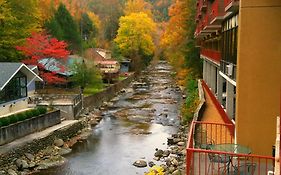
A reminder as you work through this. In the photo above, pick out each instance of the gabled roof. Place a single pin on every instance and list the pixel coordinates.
(9, 70)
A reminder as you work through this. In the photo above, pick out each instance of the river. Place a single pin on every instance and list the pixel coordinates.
(134, 124)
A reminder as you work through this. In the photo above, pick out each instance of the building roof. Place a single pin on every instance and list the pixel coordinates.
(9, 70)
(108, 62)
(60, 67)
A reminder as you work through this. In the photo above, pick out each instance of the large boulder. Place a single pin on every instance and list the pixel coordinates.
(140, 163)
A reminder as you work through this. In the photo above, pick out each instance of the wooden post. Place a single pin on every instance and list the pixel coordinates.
(277, 148)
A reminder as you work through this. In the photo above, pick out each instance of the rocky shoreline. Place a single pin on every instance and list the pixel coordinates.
(53, 155)
(172, 160)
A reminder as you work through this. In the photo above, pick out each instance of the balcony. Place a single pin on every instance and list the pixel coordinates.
(231, 5)
(211, 150)
(217, 12)
(211, 54)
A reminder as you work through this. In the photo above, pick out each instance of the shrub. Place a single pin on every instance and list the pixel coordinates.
(21, 116)
(5, 121)
(13, 119)
(192, 100)
(42, 110)
(29, 114)
(35, 112)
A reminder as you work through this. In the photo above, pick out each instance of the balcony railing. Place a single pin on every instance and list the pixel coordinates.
(231, 5)
(217, 13)
(202, 159)
(211, 54)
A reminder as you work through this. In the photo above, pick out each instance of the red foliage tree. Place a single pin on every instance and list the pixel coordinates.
(41, 45)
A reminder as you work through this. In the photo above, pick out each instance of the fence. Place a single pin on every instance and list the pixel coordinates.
(211, 150)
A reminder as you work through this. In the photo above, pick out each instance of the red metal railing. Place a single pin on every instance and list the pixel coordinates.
(211, 54)
(201, 160)
(217, 10)
(227, 2)
(206, 20)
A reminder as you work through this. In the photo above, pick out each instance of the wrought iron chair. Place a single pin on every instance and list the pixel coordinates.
(245, 169)
(222, 162)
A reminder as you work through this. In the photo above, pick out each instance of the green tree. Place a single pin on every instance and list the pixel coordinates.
(86, 77)
(88, 31)
(192, 52)
(135, 37)
(17, 20)
(63, 27)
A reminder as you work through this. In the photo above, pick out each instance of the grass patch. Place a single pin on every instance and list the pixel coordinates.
(91, 90)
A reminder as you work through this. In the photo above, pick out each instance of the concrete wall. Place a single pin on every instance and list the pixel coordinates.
(97, 99)
(259, 71)
(37, 145)
(20, 129)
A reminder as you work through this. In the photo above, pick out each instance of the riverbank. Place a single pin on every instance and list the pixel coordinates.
(46, 149)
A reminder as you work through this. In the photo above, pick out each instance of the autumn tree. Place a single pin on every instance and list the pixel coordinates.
(109, 11)
(39, 46)
(63, 27)
(135, 37)
(17, 20)
(137, 6)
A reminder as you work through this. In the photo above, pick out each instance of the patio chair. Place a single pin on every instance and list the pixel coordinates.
(245, 169)
(202, 141)
(220, 162)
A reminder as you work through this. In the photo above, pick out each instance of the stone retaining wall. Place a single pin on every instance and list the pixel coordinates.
(96, 100)
(23, 128)
(39, 144)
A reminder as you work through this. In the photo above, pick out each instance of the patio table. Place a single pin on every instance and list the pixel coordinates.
(231, 148)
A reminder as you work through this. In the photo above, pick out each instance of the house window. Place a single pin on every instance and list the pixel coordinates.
(15, 89)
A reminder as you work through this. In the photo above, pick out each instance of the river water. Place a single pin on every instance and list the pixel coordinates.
(134, 123)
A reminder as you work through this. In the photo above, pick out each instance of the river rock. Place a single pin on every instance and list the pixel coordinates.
(64, 151)
(11, 172)
(29, 156)
(24, 164)
(59, 142)
(156, 158)
(32, 164)
(52, 162)
(166, 153)
(151, 164)
(21, 164)
(181, 143)
(174, 162)
(176, 172)
(140, 163)
(159, 153)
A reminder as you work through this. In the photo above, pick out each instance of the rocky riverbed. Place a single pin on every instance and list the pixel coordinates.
(140, 127)
(172, 159)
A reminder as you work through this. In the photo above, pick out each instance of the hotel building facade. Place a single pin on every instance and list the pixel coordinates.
(240, 45)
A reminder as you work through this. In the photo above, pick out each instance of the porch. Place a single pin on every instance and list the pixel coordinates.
(211, 150)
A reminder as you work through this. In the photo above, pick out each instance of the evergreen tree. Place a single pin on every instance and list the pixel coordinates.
(63, 26)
